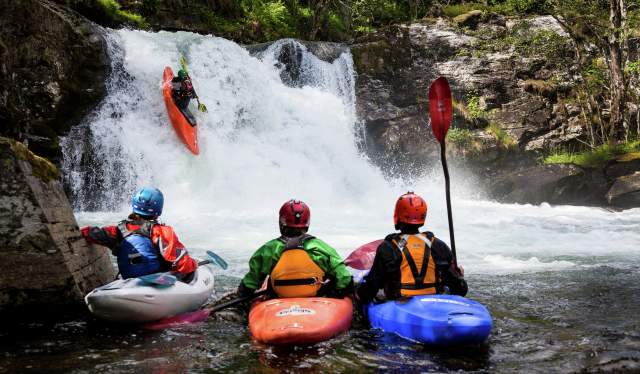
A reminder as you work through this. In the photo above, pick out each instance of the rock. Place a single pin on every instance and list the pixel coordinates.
(469, 19)
(45, 259)
(554, 184)
(53, 66)
(625, 192)
(395, 67)
(623, 165)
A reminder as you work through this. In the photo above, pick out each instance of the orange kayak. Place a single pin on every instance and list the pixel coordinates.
(186, 132)
(299, 320)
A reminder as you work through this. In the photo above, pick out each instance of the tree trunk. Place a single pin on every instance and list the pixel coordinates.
(618, 85)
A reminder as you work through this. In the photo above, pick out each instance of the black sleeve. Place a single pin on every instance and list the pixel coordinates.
(381, 273)
(443, 257)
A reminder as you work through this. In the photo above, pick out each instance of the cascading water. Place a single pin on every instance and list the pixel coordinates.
(562, 283)
(264, 141)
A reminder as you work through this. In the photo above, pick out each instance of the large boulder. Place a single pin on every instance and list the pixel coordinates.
(45, 260)
(625, 192)
(53, 66)
(554, 184)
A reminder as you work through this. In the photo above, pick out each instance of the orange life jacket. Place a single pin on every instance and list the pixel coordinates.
(414, 280)
(295, 273)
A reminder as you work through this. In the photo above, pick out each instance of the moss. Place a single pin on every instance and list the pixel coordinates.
(502, 137)
(545, 88)
(40, 167)
(113, 11)
(597, 157)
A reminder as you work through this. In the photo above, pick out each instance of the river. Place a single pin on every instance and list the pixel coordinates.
(562, 283)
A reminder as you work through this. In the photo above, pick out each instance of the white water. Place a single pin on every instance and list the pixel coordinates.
(263, 142)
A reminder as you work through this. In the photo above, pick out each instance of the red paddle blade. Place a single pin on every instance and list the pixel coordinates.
(181, 319)
(440, 108)
(362, 258)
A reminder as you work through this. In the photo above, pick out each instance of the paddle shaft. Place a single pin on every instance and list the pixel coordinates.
(447, 187)
(237, 301)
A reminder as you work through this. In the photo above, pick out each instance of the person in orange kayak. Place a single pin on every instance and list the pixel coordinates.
(141, 244)
(298, 264)
(182, 90)
(411, 263)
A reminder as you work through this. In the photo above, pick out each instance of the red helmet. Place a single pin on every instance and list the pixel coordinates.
(411, 209)
(295, 213)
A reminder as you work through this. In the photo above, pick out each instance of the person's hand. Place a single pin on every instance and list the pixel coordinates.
(459, 271)
(85, 231)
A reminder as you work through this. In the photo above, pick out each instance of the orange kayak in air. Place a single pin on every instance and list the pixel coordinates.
(299, 320)
(187, 132)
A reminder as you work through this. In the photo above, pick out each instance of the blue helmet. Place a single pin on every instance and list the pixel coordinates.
(147, 201)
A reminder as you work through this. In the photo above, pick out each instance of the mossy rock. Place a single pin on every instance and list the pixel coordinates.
(40, 167)
(469, 19)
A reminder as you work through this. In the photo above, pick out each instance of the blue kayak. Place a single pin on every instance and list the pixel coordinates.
(433, 319)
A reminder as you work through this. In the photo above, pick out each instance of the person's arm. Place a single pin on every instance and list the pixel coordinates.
(259, 267)
(172, 250)
(334, 266)
(451, 278)
(378, 274)
(106, 236)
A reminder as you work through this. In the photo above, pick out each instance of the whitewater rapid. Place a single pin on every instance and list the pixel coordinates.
(263, 142)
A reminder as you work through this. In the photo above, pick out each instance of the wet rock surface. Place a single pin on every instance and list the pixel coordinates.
(45, 259)
(53, 66)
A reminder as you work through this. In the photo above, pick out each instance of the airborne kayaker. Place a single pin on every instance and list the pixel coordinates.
(141, 244)
(412, 263)
(182, 90)
(298, 264)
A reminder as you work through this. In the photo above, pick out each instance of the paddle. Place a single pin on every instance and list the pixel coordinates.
(183, 65)
(159, 279)
(198, 315)
(218, 260)
(441, 112)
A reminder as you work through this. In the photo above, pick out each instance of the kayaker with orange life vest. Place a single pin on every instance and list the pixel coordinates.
(141, 244)
(412, 263)
(298, 264)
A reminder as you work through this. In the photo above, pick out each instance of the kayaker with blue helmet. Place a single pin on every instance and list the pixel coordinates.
(411, 263)
(298, 264)
(141, 244)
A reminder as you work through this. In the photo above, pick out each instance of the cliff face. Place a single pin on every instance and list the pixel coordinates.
(514, 88)
(53, 65)
(45, 259)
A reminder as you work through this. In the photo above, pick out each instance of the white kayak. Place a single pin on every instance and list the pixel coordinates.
(135, 301)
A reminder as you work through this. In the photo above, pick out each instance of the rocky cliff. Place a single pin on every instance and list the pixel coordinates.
(45, 259)
(514, 87)
(53, 66)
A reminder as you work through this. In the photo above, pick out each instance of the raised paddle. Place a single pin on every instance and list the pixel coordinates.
(183, 65)
(441, 112)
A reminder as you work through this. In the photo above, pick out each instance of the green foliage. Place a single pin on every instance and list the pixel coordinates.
(473, 108)
(454, 10)
(461, 138)
(596, 74)
(596, 157)
(633, 68)
(113, 11)
(273, 17)
(501, 136)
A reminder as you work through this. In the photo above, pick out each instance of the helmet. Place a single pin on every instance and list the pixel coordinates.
(147, 201)
(182, 74)
(295, 213)
(411, 209)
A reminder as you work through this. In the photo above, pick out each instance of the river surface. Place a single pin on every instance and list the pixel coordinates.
(562, 283)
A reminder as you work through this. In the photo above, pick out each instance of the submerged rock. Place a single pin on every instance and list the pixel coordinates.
(53, 66)
(45, 259)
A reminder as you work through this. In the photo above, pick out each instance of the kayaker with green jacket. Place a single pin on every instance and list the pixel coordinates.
(298, 264)
(411, 263)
